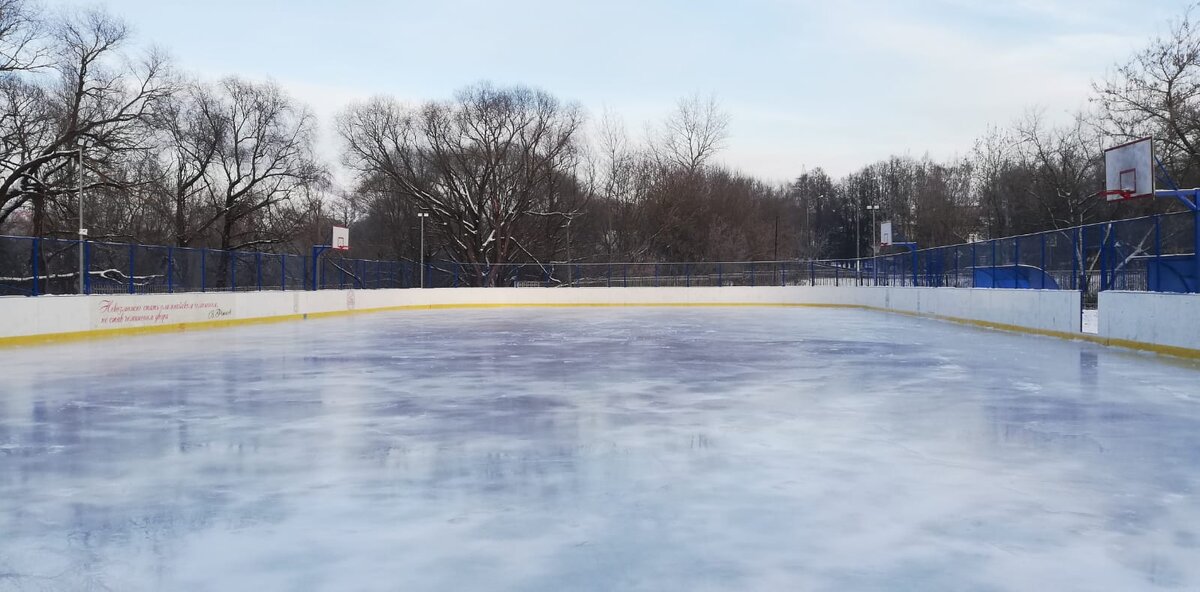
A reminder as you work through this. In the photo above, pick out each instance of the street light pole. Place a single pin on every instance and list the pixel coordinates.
(857, 234)
(874, 248)
(82, 230)
(874, 243)
(422, 216)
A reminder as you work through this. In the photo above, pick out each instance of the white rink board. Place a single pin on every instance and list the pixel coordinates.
(1163, 319)
(1033, 309)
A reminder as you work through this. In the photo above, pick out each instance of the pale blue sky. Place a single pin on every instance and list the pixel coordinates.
(808, 83)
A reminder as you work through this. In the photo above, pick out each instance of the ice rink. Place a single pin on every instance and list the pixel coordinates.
(598, 449)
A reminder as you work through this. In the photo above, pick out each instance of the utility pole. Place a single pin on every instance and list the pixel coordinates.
(422, 216)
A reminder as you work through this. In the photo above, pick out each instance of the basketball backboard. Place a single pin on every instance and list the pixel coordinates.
(341, 238)
(885, 234)
(1129, 170)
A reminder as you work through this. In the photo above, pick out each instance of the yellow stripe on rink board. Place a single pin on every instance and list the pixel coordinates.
(50, 338)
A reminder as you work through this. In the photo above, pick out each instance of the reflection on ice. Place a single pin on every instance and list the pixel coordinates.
(634, 449)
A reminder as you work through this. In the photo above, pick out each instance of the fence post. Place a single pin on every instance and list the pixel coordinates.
(687, 275)
(283, 272)
(170, 270)
(655, 275)
(1043, 260)
(625, 275)
(35, 254)
(608, 283)
(752, 279)
(132, 250)
(783, 275)
(87, 267)
(231, 256)
(1081, 260)
(720, 275)
(312, 265)
(1017, 262)
(956, 269)
(203, 269)
(974, 265)
(812, 273)
(1104, 238)
(1158, 254)
(993, 264)
(836, 275)
(258, 268)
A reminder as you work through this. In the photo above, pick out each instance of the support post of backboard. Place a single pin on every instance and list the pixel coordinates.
(1196, 238)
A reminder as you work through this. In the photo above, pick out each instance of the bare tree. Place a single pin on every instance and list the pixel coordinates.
(483, 165)
(1065, 165)
(692, 134)
(1157, 93)
(192, 128)
(263, 160)
(98, 96)
(22, 42)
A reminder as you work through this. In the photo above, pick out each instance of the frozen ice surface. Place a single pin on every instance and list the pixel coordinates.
(631, 449)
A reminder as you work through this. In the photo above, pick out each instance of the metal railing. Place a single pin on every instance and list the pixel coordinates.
(1154, 253)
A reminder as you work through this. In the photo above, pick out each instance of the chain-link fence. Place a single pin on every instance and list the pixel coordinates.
(1155, 253)
(36, 266)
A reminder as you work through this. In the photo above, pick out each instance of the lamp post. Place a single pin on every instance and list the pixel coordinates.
(874, 248)
(874, 243)
(422, 216)
(570, 268)
(857, 235)
(82, 230)
(808, 224)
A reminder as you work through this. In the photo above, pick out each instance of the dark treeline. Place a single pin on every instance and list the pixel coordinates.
(515, 174)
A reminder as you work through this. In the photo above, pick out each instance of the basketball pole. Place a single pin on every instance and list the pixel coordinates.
(1190, 198)
(1196, 236)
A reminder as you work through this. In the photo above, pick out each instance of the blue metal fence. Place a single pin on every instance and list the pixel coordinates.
(1155, 253)
(35, 266)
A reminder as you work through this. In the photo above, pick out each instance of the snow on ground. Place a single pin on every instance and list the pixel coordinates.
(638, 449)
